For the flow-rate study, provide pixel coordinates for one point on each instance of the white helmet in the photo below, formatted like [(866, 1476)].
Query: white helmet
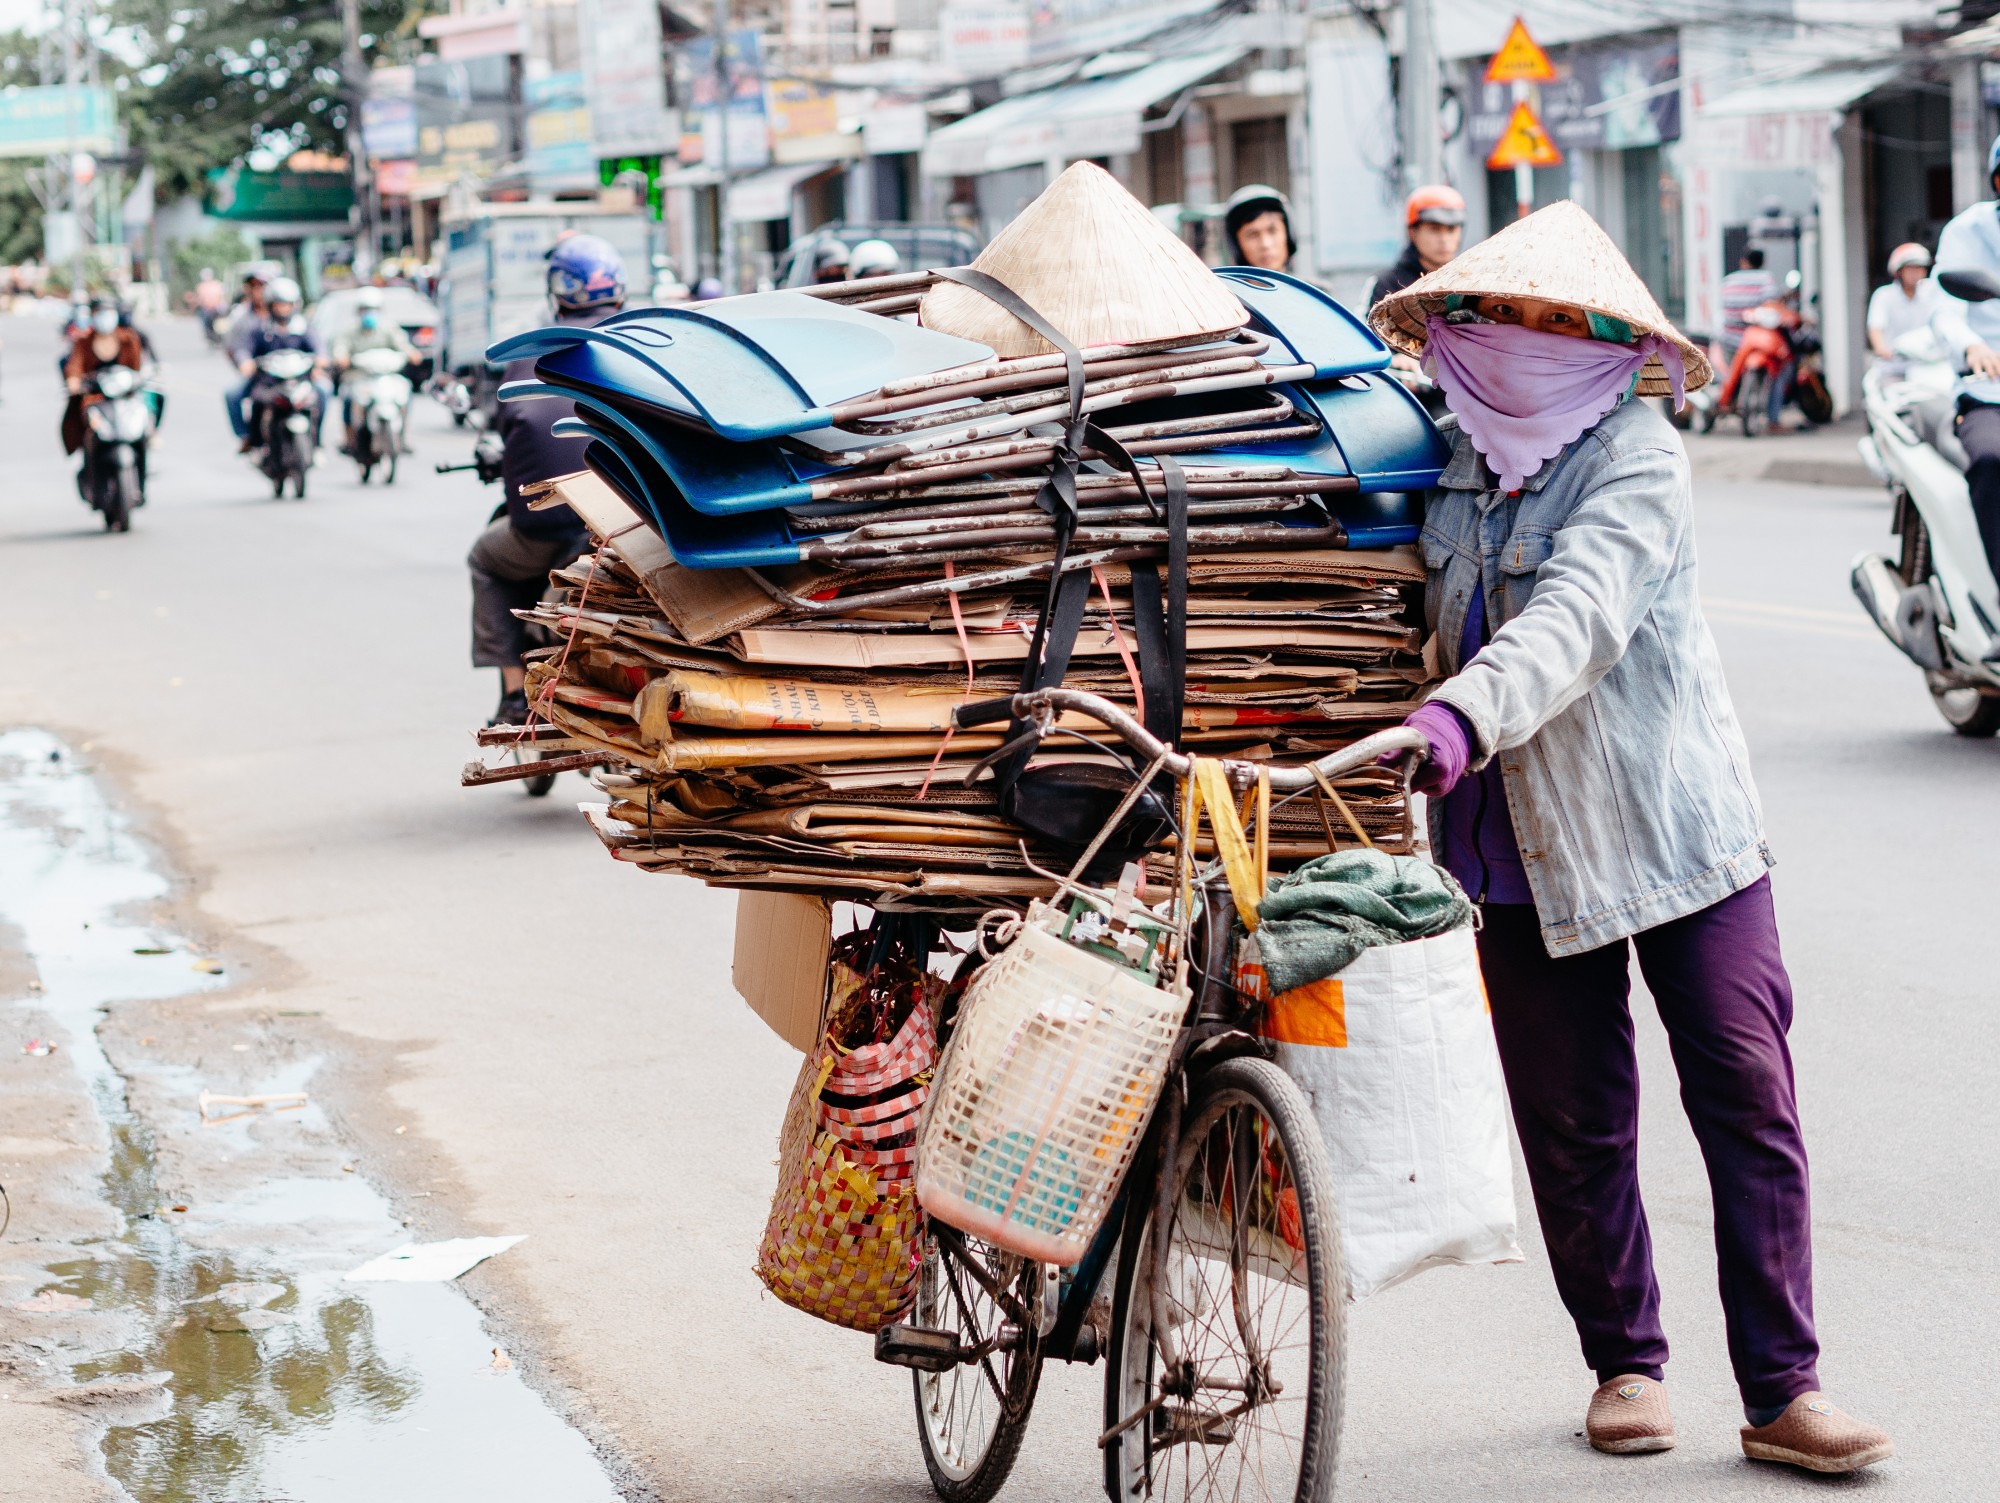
[(283, 290), (368, 297), (1908, 254), (873, 258)]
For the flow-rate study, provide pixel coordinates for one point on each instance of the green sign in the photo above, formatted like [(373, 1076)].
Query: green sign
[(238, 193), (39, 122)]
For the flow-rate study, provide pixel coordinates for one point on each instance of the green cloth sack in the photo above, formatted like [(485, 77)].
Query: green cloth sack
[(1318, 918)]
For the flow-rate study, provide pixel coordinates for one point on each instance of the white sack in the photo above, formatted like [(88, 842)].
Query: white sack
[(1412, 1107)]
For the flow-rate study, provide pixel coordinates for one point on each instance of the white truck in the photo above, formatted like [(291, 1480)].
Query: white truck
[(493, 274)]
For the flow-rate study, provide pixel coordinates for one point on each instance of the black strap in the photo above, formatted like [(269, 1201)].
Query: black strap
[(1162, 645)]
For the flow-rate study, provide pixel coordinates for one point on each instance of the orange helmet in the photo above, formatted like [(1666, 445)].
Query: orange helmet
[(1434, 203)]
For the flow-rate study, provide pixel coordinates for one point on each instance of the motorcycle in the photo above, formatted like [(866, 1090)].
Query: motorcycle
[(378, 398), (281, 418), (118, 428), (1937, 602), (485, 462)]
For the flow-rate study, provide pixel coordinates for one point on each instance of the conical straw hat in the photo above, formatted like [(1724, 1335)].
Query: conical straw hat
[(1093, 261), (1559, 254)]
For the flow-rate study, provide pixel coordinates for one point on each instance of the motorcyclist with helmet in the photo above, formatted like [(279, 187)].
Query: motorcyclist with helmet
[(106, 342), (511, 560), (1902, 304), (242, 324), (1971, 331), (283, 327), (371, 331), (1257, 223), (873, 258), (1434, 217), (830, 259)]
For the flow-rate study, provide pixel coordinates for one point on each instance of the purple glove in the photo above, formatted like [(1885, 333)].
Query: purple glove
[(1450, 751)]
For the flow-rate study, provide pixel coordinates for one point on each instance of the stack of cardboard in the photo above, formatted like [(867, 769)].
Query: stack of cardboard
[(808, 555)]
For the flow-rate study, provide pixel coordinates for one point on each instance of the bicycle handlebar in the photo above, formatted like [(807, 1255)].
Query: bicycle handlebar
[(1042, 706)]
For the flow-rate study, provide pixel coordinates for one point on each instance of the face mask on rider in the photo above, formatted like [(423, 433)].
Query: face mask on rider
[(370, 319), (105, 322)]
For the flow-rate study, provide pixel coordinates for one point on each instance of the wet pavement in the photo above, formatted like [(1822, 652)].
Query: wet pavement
[(211, 1337)]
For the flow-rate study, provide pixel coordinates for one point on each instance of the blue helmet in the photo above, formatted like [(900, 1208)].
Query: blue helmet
[(585, 271)]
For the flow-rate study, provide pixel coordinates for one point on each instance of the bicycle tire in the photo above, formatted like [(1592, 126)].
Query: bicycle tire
[(973, 1478), (1753, 398), (1133, 1467)]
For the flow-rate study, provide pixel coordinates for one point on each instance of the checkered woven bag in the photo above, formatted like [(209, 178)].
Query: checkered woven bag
[(843, 1239)]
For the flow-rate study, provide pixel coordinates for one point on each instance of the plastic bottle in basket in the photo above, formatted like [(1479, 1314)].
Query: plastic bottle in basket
[(1040, 1101)]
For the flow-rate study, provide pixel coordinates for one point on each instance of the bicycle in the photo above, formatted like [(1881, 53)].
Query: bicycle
[(1225, 1336)]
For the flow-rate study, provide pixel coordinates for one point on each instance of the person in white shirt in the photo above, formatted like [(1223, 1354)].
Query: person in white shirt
[(1904, 303), (1971, 331)]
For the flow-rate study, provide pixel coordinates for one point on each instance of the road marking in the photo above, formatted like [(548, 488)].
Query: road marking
[(1798, 618)]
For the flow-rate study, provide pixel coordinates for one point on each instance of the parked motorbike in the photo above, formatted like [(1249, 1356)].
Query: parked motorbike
[(281, 418), (118, 422), (379, 398), (1937, 601)]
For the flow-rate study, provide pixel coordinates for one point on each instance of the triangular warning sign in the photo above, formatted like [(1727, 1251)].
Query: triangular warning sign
[(1520, 59), (1524, 143)]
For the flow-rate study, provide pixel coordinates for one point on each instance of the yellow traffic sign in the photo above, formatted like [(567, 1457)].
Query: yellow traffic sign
[(1524, 143), (1520, 59)]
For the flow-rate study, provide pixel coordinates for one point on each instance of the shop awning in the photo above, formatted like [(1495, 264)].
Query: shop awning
[(768, 194), (1095, 117), (1809, 94)]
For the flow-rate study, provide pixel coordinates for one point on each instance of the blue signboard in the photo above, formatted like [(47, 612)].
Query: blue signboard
[(38, 122)]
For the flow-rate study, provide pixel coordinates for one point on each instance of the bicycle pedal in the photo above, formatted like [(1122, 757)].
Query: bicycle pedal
[(913, 1346)]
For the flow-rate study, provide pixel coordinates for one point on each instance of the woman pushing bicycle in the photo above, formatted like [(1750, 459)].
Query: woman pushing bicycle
[(1590, 788)]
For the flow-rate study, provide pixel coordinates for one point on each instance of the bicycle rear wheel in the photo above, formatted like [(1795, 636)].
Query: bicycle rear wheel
[(1239, 1395), (972, 1417)]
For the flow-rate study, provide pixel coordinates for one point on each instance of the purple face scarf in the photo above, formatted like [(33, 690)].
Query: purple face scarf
[(1522, 394)]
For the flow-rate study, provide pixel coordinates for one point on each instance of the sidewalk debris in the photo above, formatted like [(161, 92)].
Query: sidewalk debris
[(427, 1262), (280, 1101)]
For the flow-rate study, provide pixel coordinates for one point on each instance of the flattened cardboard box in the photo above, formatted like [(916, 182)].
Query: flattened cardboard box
[(784, 942)]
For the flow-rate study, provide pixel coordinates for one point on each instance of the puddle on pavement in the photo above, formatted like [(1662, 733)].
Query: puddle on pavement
[(281, 1381)]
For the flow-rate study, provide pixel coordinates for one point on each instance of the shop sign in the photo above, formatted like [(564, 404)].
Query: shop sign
[(890, 129), (39, 122), (625, 79), (465, 117), (237, 193), (1603, 98), (395, 179), (389, 113), (983, 38), (559, 149), (800, 107), (749, 138)]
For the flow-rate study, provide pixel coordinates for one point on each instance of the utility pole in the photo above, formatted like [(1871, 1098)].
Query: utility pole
[(1423, 150), (74, 195), (360, 217), (725, 230)]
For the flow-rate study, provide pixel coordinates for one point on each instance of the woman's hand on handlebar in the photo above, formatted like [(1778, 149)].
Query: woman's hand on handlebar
[(1449, 750)]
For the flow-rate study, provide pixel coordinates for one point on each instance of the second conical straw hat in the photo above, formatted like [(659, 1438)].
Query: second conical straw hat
[(1093, 261), (1558, 254)]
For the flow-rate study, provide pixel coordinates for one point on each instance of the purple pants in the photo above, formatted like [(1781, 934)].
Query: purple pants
[(1565, 1034)]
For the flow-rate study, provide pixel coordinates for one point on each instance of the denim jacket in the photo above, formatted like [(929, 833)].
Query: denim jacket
[(1600, 688)]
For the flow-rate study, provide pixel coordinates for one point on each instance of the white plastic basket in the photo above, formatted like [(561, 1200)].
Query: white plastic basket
[(1039, 1103)]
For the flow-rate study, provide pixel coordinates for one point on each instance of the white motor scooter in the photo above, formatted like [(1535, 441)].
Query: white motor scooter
[(379, 398), (1937, 601)]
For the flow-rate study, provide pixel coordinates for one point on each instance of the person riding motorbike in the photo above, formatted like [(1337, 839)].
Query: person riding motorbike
[(874, 258), (242, 325), (1257, 223), (371, 331), (1903, 303), (511, 560), (1971, 331), (1434, 216), (107, 342), (283, 328), (830, 261)]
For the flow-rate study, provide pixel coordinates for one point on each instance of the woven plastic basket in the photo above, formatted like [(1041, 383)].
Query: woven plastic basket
[(843, 1237), (1041, 1098)]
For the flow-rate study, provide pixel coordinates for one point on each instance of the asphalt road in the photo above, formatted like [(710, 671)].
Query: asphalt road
[(280, 690)]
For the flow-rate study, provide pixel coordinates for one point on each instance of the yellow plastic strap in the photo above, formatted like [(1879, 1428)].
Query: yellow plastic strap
[(1238, 862)]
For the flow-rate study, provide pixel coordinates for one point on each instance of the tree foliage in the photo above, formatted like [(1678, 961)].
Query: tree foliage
[(219, 79)]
